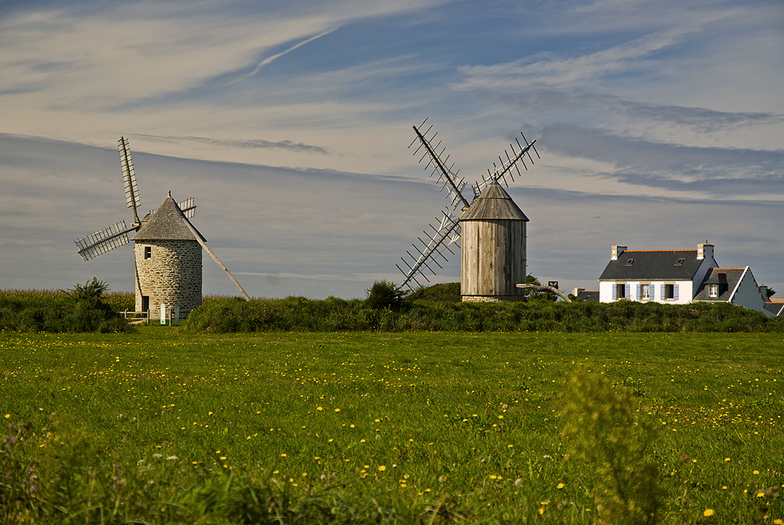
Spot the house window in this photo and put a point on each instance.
(645, 291)
(669, 291)
(680, 261)
(629, 262)
(148, 252)
(620, 291)
(713, 290)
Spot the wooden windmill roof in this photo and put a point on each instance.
(167, 223)
(493, 204)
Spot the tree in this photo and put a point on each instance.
(384, 294)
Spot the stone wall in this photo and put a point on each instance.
(172, 275)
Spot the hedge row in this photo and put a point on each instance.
(331, 315)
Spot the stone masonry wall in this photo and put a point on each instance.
(173, 274)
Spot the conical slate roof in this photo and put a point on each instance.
(493, 204)
(167, 223)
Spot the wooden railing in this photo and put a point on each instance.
(136, 317)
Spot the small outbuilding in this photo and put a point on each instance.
(774, 306)
(731, 285)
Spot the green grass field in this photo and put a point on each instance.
(165, 427)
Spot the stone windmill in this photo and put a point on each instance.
(167, 249)
(492, 227)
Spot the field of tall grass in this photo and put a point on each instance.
(168, 426)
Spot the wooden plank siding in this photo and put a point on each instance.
(493, 259)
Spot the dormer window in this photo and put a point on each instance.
(713, 290)
(629, 262)
(680, 261)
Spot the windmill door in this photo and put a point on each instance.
(145, 303)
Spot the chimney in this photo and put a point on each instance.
(764, 291)
(577, 291)
(616, 251)
(704, 251)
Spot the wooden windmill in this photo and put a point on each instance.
(167, 248)
(491, 226)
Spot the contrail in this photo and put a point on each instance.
(289, 50)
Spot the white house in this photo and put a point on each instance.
(678, 277)
(663, 276)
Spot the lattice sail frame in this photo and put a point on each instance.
(129, 177)
(116, 235)
(100, 242)
(448, 230)
(500, 173)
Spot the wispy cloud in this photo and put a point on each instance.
(551, 70)
(726, 172)
(244, 144)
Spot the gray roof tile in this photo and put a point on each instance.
(676, 265)
(726, 278)
(777, 309)
(167, 223)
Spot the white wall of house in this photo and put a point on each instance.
(747, 293)
(682, 292)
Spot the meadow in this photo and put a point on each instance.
(166, 426)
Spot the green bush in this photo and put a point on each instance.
(384, 294)
(605, 431)
(82, 308)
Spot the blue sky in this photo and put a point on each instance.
(660, 125)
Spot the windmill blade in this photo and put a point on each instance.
(103, 240)
(449, 180)
(207, 249)
(504, 170)
(446, 234)
(129, 177)
(187, 207)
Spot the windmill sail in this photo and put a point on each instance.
(429, 252)
(447, 233)
(187, 207)
(448, 180)
(500, 173)
(100, 242)
(129, 177)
